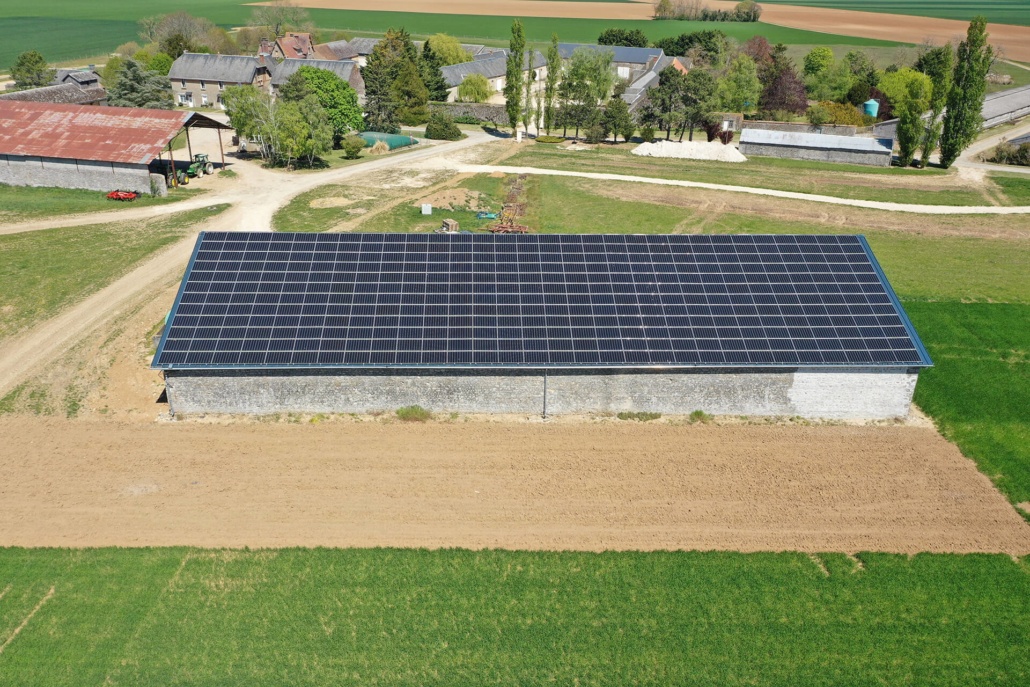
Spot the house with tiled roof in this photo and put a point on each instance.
(494, 68)
(198, 79)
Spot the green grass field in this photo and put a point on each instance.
(44, 271)
(22, 203)
(998, 11)
(66, 29)
(410, 617)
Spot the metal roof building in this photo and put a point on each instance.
(819, 147)
(65, 93)
(743, 325)
(77, 146)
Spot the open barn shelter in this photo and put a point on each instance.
(744, 325)
(95, 148)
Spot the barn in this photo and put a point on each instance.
(855, 150)
(95, 148)
(743, 325)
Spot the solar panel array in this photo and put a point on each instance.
(256, 300)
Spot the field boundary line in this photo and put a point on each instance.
(4, 592)
(33, 612)
(820, 563)
(758, 191)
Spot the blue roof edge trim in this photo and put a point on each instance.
(923, 353)
(175, 305)
(488, 367)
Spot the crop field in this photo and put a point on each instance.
(447, 617)
(997, 11)
(67, 29)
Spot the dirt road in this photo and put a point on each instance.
(514, 484)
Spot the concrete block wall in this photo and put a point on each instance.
(866, 393)
(817, 154)
(17, 170)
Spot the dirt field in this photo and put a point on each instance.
(889, 27)
(480, 484)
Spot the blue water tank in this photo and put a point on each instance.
(871, 107)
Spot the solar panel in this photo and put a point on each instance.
(266, 300)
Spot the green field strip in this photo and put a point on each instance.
(998, 11)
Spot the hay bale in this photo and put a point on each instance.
(379, 148)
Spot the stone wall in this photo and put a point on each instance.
(495, 114)
(17, 170)
(872, 393)
(873, 159)
(803, 127)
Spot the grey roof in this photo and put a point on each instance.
(619, 53)
(66, 93)
(226, 68)
(1006, 105)
(1021, 140)
(83, 77)
(338, 48)
(491, 67)
(795, 139)
(342, 68)
(362, 46)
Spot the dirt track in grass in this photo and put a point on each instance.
(516, 484)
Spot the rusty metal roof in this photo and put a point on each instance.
(82, 132)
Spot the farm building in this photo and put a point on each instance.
(199, 79)
(628, 63)
(493, 66)
(854, 150)
(742, 325)
(95, 148)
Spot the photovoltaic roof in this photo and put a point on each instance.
(267, 300)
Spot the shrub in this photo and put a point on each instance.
(818, 115)
(379, 148)
(550, 139)
(442, 128)
(595, 133)
(700, 416)
(1009, 154)
(647, 134)
(467, 119)
(726, 137)
(639, 416)
(413, 414)
(352, 146)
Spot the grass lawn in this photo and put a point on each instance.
(45, 271)
(407, 617)
(997, 11)
(23, 203)
(1015, 186)
(862, 183)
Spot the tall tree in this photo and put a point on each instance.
(963, 118)
(818, 59)
(449, 49)
(280, 16)
(618, 120)
(31, 70)
(700, 93)
(513, 74)
(176, 44)
(740, 88)
(666, 101)
(783, 90)
(136, 87)
(474, 89)
(379, 75)
(527, 96)
(429, 67)
(320, 131)
(336, 97)
(411, 95)
(554, 68)
(910, 111)
(295, 88)
(936, 63)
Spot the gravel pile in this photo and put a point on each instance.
(691, 150)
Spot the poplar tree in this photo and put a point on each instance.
(554, 68)
(936, 63)
(513, 77)
(963, 119)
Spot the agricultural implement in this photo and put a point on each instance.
(514, 208)
(200, 166)
(126, 196)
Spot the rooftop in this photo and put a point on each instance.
(492, 67)
(258, 300)
(620, 53)
(70, 93)
(237, 69)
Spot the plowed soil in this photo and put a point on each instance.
(589, 485)
(888, 27)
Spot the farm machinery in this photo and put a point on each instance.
(200, 166)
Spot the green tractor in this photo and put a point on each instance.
(200, 166)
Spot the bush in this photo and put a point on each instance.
(550, 139)
(467, 119)
(639, 416)
(726, 137)
(647, 134)
(700, 416)
(352, 146)
(1009, 154)
(595, 133)
(442, 128)
(413, 414)
(818, 115)
(474, 89)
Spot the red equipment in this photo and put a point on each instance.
(122, 195)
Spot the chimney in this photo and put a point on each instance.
(266, 47)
